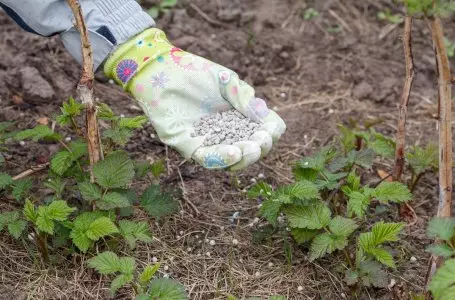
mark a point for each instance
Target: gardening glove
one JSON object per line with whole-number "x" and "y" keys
{"x": 176, "y": 88}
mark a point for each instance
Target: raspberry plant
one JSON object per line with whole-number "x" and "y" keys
{"x": 328, "y": 207}
{"x": 82, "y": 213}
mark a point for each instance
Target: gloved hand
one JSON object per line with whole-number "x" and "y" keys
{"x": 176, "y": 88}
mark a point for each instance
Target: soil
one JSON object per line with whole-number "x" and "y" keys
{"x": 343, "y": 65}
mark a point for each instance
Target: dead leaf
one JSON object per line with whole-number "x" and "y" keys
{"x": 384, "y": 175}
{"x": 43, "y": 121}
{"x": 17, "y": 99}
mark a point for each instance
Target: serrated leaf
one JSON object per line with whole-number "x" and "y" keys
{"x": 5, "y": 180}
{"x": 270, "y": 210}
{"x": 382, "y": 256}
{"x": 120, "y": 281}
{"x": 372, "y": 274}
{"x": 157, "y": 203}
{"x": 153, "y": 12}
{"x": 113, "y": 200}
{"x": 61, "y": 162}
{"x": 358, "y": 204}
{"x": 115, "y": 171}
{"x": 392, "y": 191}
{"x": 348, "y": 138}
{"x": 321, "y": 245}
{"x": 423, "y": 159}
{"x": 8, "y": 217}
{"x": 168, "y": 289}
{"x": 101, "y": 227}
{"x": 353, "y": 180}
{"x": 57, "y": 185}
{"x": 134, "y": 231}
{"x": 127, "y": 265}
{"x": 364, "y": 158}
{"x": 344, "y": 227}
{"x": 442, "y": 228}
{"x": 304, "y": 190}
{"x": 105, "y": 263}
{"x": 43, "y": 221}
{"x": 59, "y": 210}
{"x": 147, "y": 274}
{"x": 89, "y": 191}
{"x": 440, "y": 250}
{"x": 133, "y": 123}
{"x": 317, "y": 161}
{"x": 158, "y": 167}
{"x": 119, "y": 136}
{"x": 351, "y": 277}
{"x": 386, "y": 232}
{"x": 15, "y": 228}
{"x": 40, "y": 132}
{"x": 20, "y": 188}
{"x": 29, "y": 211}
{"x": 443, "y": 281}
{"x": 311, "y": 217}
{"x": 80, "y": 239}
{"x": 168, "y": 3}
{"x": 78, "y": 149}
{"x": 105, "y": 112}
{"x": 382, "y": 145}
{"x": 260, "y": 189}
{"x": 303, "y": 235}
{"x": 72, "y": 107}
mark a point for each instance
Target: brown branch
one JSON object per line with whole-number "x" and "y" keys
{"x": 85, "y": 88}
{"x": 445, "y": 130}
{"x": 404, "y": 101}
{"x": 31, "y": 171}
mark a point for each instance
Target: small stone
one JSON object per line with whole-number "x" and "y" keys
{"x": 343, "y": 295}
{"x": 235, "y": 242}
{"x": 166, "y": 268}
{"x": 22, "y": 143}
{"x": 413, "y": 259}
{"x": 154, "y": 259}
{"x": 300, "y": 288}
{"x": 181, "y": 232}
{"x": 261, "y": 176}
{"x": 111, "y": 81}
{"x": 392, "y": 283}
{"x": 257, "y": 274}
{"x": 270, "y": 264}
{"x": 208, "y": 254}
{"x": 68, "y": 138}
{"x": 212, "y": 243}
{"x": 166, "y": 276}
{"x": 189, "y": 249}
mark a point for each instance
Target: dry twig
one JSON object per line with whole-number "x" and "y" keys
{"x": 85, "y": 88}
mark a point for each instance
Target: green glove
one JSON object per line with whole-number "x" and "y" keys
{"x": 176, "y": 88}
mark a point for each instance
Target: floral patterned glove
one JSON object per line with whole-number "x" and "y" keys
{"x": 176, "y": 88}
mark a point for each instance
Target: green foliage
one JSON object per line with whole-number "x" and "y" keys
{"x": 441, "y": 8}
{"x": 20, "y": 188}
{"x": 115, "y": 171}
{"x": 45, "y": 217}
{"x": 5, "y": 180}
{"x": 11, "y": 220}
{"x": 421, "y": 159}
{"x": 310, "y": 14}
{"x": 135, "y": 231}
{"x": 70, "y": 110}
{"x": 40, "y": 132}
{"x": 89, "y": 227}
{"x": 450, "y": 47}
{"x": 158, "y": 203}
{"x": 442, "y": 285}
{"x": 387, "y": 15}
{"x": 162, "y": 7}
{"x": 167, "y": 289}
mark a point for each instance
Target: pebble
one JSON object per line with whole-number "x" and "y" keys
{"x": 300, "y": 288}
{"x": 413, "y": 259}
{"x": 154, "y": 259}
{"x": 166, "y": 268}
{"x": 212, "y": 243}
{"x": 235, "y": 242}
{"x": 225, "y": 128}
{"x": 270, "y": 264}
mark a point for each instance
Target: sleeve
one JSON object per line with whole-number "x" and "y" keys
{"x": 110, "y": 22}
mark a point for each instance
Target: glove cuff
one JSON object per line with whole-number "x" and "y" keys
{"x": 141, "y": 51}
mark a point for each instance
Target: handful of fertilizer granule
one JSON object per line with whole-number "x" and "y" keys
{"x": 225, "y": 128}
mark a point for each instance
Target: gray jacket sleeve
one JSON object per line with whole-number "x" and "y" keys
{"x": 109, "y": 22}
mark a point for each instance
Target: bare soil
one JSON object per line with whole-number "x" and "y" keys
{"x": 342, "y": 65}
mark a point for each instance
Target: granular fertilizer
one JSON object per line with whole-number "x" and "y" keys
{"x": 225, "y": 128}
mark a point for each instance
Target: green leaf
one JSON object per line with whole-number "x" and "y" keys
{"x": 443, "y": 282}
{"x": 61, "y": 162}
{"x": 311, "y": 217}
{"x": 440, "y": 250}
{"x": 168, "y": 3}
{"x": 81, "y": 225}
{"x": 113, "y": 200}
{"x": 29, "y": 211}
{"x": 115, "y": 171}
{"x": 386, "y": 232}
{"x": 105, "y": 112}
{"x": 344, "y": 227}
{"x": 15, "y": 228}
{"x": 59, "y": 210}
{"x": 127, "y": 265}
{"x": 81, "y": 240}
{"x": 40, "y": 132}
{"x": 147, "y": 274}
{"x": 392, "y": 191}
{"x": 89, "y": 191}
{"x": 351, "y": 277}
{"x": 134, "y": 231}
{"x": 442, "y": 228}
{"x": 317, "y": 161}
{"x": 158, "y": 168}
{"x": 5, "y": 180}
{"x": 154, "y": 11}
{"x": 105, "y": 263}
{"x": 43, "y": 221}
{"x": 326, "y": 243}
{"x": 133, "y": 123}
{"x": 382, "y": 145}
{"x": 168, "y": 289}
{"x": 119, "y": 136}
{"x": 120, "y": 281}
{"x": 260, "y": 189}
{"x": 348, "y": 138}
{"x": 304, "y": 190}
{"x": 303, "y": 235}
{"x": 78, "y": 149}
{"x": 383, "y": 256}
{"x": 372, "y": 274}
{"x": 158, "y": 204}
{"x": 72, "y": 107}
{"x": 358, "y": 204}
{"x": 20, "y": 188}
{"x": 57, "y": 185}
{"x": 101, "y": 227}
{"x": 423, "y": 159}
{"x": 364, "y": 158}
{"x": 270, "y": 210}
{"x": 277, "y": 298}
{"x": 7, "y": 217}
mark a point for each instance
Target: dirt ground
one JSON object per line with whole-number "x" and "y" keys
{"x": 344, "y": 64}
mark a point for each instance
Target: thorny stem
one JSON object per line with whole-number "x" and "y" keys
{"x": 85, "y": 89}
{"x": 415, "y": 180}
{"x": 445, "y": 131}
{"x": 404, "y": 101}
{"x": 41, "y": 240}
{"x": 348, "y": 258}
